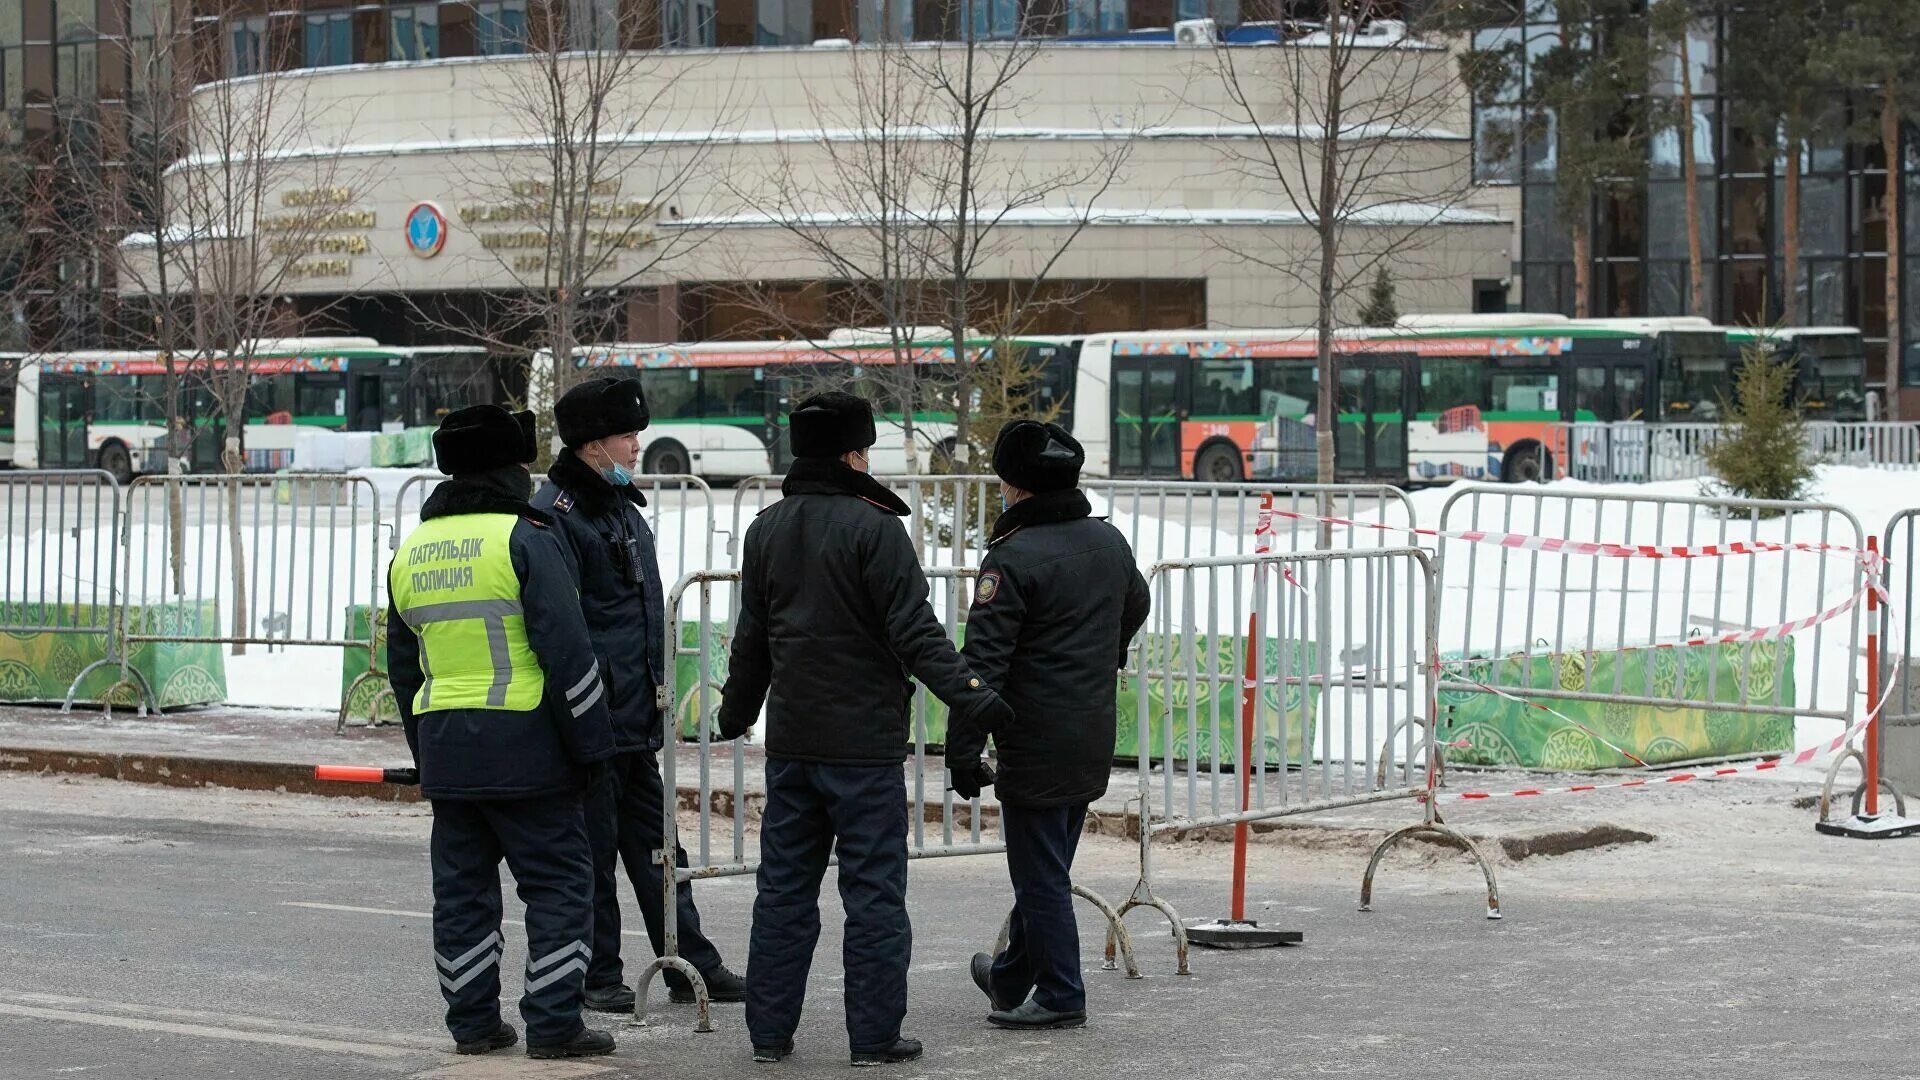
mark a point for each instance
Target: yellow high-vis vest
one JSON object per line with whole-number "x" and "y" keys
{"x": 452, "y": 581}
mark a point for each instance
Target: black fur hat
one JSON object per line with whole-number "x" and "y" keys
{"x": 480, "y": 438}
{"x": 1038, "y": 457}
{"x": 829, "y": 425}
{"x": 598, "y": 408}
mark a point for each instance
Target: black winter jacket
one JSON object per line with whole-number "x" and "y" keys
{"x": 625, "y": 617}
{"x": 500, "y": 753}
{"x": 833, "y": 620}
{"x": 1057, "y": 603}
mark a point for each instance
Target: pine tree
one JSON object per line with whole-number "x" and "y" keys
{"x": 1380, "y": 309}
{"x": 1762, "y": 451}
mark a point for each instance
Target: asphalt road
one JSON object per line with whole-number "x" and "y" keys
{"x": 158, "y": 933}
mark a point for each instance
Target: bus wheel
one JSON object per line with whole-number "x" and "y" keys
{"x": 1218, "y": 463}
{"x": 115, "y": 461}
{"x": 1527, "y": 463}
{"x": 666, "y": 458}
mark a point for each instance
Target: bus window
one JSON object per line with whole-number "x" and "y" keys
{"x": 732, "y": 393}
{"x": 672, "y": 393}
{"x": 441, "y": 384}
{"x": 1223, "y": 389}
{"x": 127, "y": 399}
{"x": 1057, "y": 366}
{"x": 1448, "y": 383}
{"x": 321, "y": 399}
{"x": 1696, "y": 375}
{"x": 1288, "y": 388}
{"x": 1832, "y": 376}
{"x": 9, "y": 381}
{"x": 268, "y": 395}
{"x": 1525, "y": 392}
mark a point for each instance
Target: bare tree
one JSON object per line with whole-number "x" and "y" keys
{"x": 596, "y": 148}
{"x": 221, "y": 216}
{"x": 905, "y": 196}
{"x": 1339, "y": 124}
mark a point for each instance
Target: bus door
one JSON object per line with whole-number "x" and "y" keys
{"x": 1149, "y": 402}
{"x": 379, "y": 397}
{"x": 1370, "y": 430}
{"x": 1612, "y": 401}
{"x": 66, "y": 405}
{"x": 778, "y": 397}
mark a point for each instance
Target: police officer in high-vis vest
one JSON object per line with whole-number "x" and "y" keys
{"x": 1057, "y": 601}
{"x": 595, "y": 509}
{"x": 506, "y": 716}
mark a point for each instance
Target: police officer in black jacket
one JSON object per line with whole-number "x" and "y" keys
{"x": 833, "y": 620}
{"x": 596, "y": 513}
{"x": 502, "y": 705}
{"x": 1057, "y": 601}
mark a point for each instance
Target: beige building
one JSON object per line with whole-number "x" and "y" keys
{"x": 757, "y": 192}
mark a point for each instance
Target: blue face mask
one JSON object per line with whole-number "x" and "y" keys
{"x": 617, "y": 475}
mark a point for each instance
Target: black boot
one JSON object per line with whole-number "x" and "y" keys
{"x": 589, "y": 1043}
{"x": 1034, "y": 1016}
{"x": 501, "y": 1038}
{"x": 723, "y": 986}
{"x": 617, "y": 998}
{"x": 983, "y": 978}
{"x": 901, "y": 1050}
{"x": 773, "y": 1055}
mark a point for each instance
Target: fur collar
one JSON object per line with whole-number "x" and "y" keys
{"x": 831, "y": 476}
{"x": 497, "y": 491}
{"x": 590, "y": 491}
{"x": 1046, "y": 508}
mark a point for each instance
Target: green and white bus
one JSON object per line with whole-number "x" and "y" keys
{"x": 719, "y": 408}
{"x": 106, "y": 410}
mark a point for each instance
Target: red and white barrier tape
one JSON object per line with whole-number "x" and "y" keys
{"x": 1524, "y": 542}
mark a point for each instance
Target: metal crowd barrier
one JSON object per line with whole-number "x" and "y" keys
{"x": 1274, "y": 685}
{"x": 1604, "y": 629}
{"x": 281, "y": 561}
{"x": 1162, "y": 519}
{"x": 1899, "y": 664}
{"x": 679, "y": 509}
{"x": 719, "y": 846}
{"x": 1639, "y": 451}
{"x": 62, "y": 571}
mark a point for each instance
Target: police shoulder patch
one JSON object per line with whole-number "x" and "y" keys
{"x": 563, "y": 502}
{"x": 986, "y": 588}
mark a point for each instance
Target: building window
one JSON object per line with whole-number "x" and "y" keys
{"x": 500, "y": 28}
{"x": 329, "y": 39}
{"x": 413, "y": 33}
{"x": 247, "y": 40}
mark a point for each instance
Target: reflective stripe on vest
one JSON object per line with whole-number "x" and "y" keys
{"x": 454, "y": 585}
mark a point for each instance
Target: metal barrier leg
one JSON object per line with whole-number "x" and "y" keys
{"x": 1441, "y": 832}
{"x": 129, "y": 677}
{"x": 701, "y": 1002}
{"x": 346, "y": 701}
{"x": 1143, "y": 897}
{"x": 1116, "y": 932}
{"x": 1386, "y": 752}
{"x": 1851, "y": 753}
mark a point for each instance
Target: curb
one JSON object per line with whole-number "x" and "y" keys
{"x": 189, "y": 772}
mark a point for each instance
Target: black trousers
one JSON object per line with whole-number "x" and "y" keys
{"x": 545, "y": 844}
{"x": 813, "y": 809}
{"x": 625, "y": 817}
{"x": 1043, "y": 947}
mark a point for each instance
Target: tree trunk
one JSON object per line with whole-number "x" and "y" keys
{"x": 1582, "y": 268}
{"x": 177, "y": 449}
{"x": 1327, "y": 211}
{"x": 1890, "y": 145}
{"x": 1696, "y": 272}
{"x": 1790, "y": 235}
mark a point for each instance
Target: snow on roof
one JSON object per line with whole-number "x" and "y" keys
{"x": 775, "y": 136}
{"x": 175, "y": 234}
{"x": 1042, "y": 216}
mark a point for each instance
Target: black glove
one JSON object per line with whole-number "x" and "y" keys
{"x": 993, "y": 716}
{"x": 967, "y": 780}
{"x": 731, "y": 725}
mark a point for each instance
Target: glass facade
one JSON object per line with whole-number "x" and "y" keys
{"x": 1640, "y": 257}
